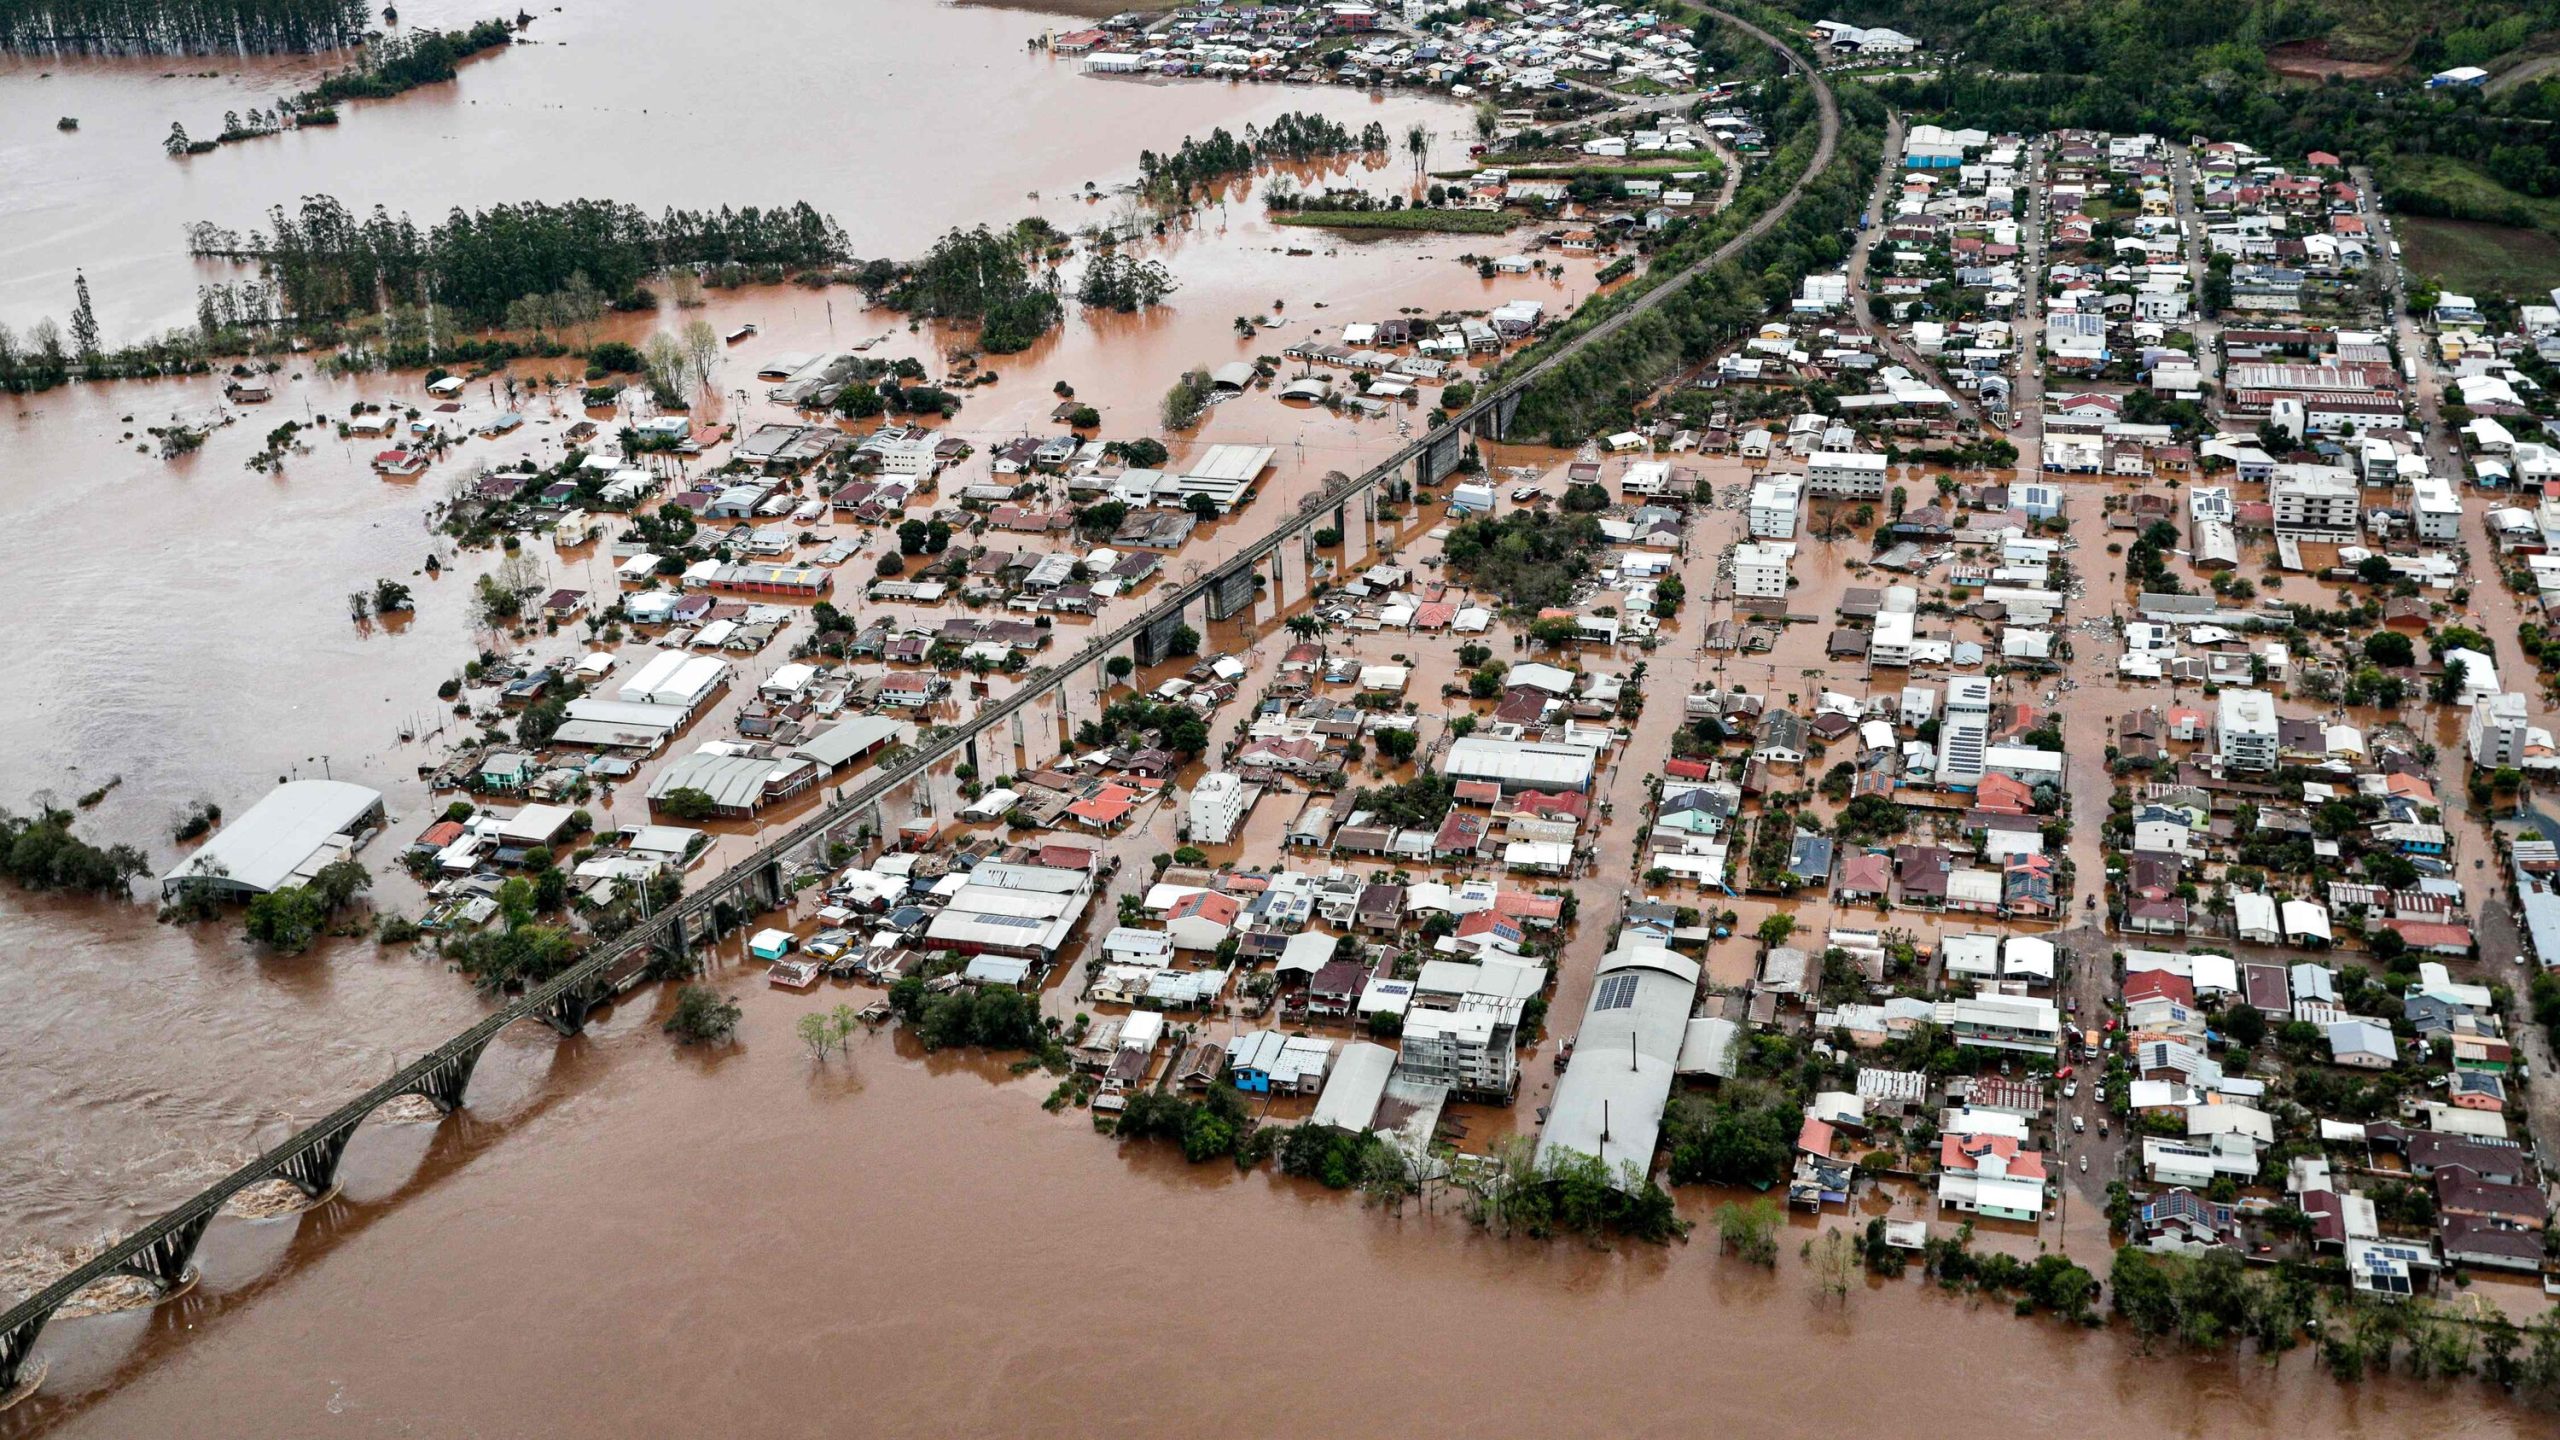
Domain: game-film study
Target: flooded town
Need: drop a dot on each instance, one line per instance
(859, 718)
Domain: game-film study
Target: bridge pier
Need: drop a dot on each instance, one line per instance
(673, 943)
(969, 753)
(168, 1261)
(769, 886)
(567, 1011)
(17, 1344)
(444, 1084)
(314, 1171)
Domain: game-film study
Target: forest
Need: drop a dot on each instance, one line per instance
(2201, 67)
(1293, 136)
(997, 278)
(324, 263)
(1608, 380)
(2132, 41)
(179, 27)
(400, 63)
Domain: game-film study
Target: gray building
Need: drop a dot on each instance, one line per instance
(1609, 1104)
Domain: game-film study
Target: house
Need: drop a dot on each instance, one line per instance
(2362, 1044)
(1202, 920)
(1380, 908)
(1990, 1174)
(2179, 1222)
(1266, 1062)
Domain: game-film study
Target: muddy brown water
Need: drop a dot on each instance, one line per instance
(625, 1241)
(889, 1242)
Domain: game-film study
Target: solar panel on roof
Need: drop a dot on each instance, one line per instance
(1617, 992)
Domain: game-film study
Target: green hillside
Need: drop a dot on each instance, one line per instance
(2132, 40)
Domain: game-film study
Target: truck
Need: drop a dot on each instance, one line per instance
(1863, 217)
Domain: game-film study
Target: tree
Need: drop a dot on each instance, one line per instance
(1200, 506)
(2244, 1025)
(688, 803)
(287, 920)
(2451, 680)
(703, 1015)
(1184, 641)
(860, 400)
(1832, 1263)
(1184, 402)
(665, 365)
(1749, 1229)
(177, 144)
(911, 537)
(702, 349)
(816, 1032)
(2391, 649)
(1118, 667)
(84, 321)
(2145, 1292)
(1397, 745)
(337, 883)
(1417, 143)
(1775, 929)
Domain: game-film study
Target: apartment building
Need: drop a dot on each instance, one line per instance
(2245, 730)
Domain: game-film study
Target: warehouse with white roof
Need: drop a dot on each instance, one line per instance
(1226, 473)
(1521, 764)
(284, 839)
(1610, 1103)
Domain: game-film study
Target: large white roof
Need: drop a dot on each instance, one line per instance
(1610, 1103)
(262, 849)
(1520, 763)
(1231, 464)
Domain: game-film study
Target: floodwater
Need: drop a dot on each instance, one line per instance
(882, 1242)
(624, 1241)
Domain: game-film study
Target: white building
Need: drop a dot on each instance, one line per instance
(1964, 737)
(2245, 729)
(2496, 732)
(301, 827)
(1845, 475)
(1610, 1106)
(1469, 1051)
(2315, 500)
(1760, 571)
(1889, 639)
(1775, 500)
(2437, 515)
(1218, 806)
(1520, 765)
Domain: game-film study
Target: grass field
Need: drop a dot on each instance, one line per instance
(2477, 259)
(1425, 221)
(2462, 191)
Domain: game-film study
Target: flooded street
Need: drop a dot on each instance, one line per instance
(619, 1237)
